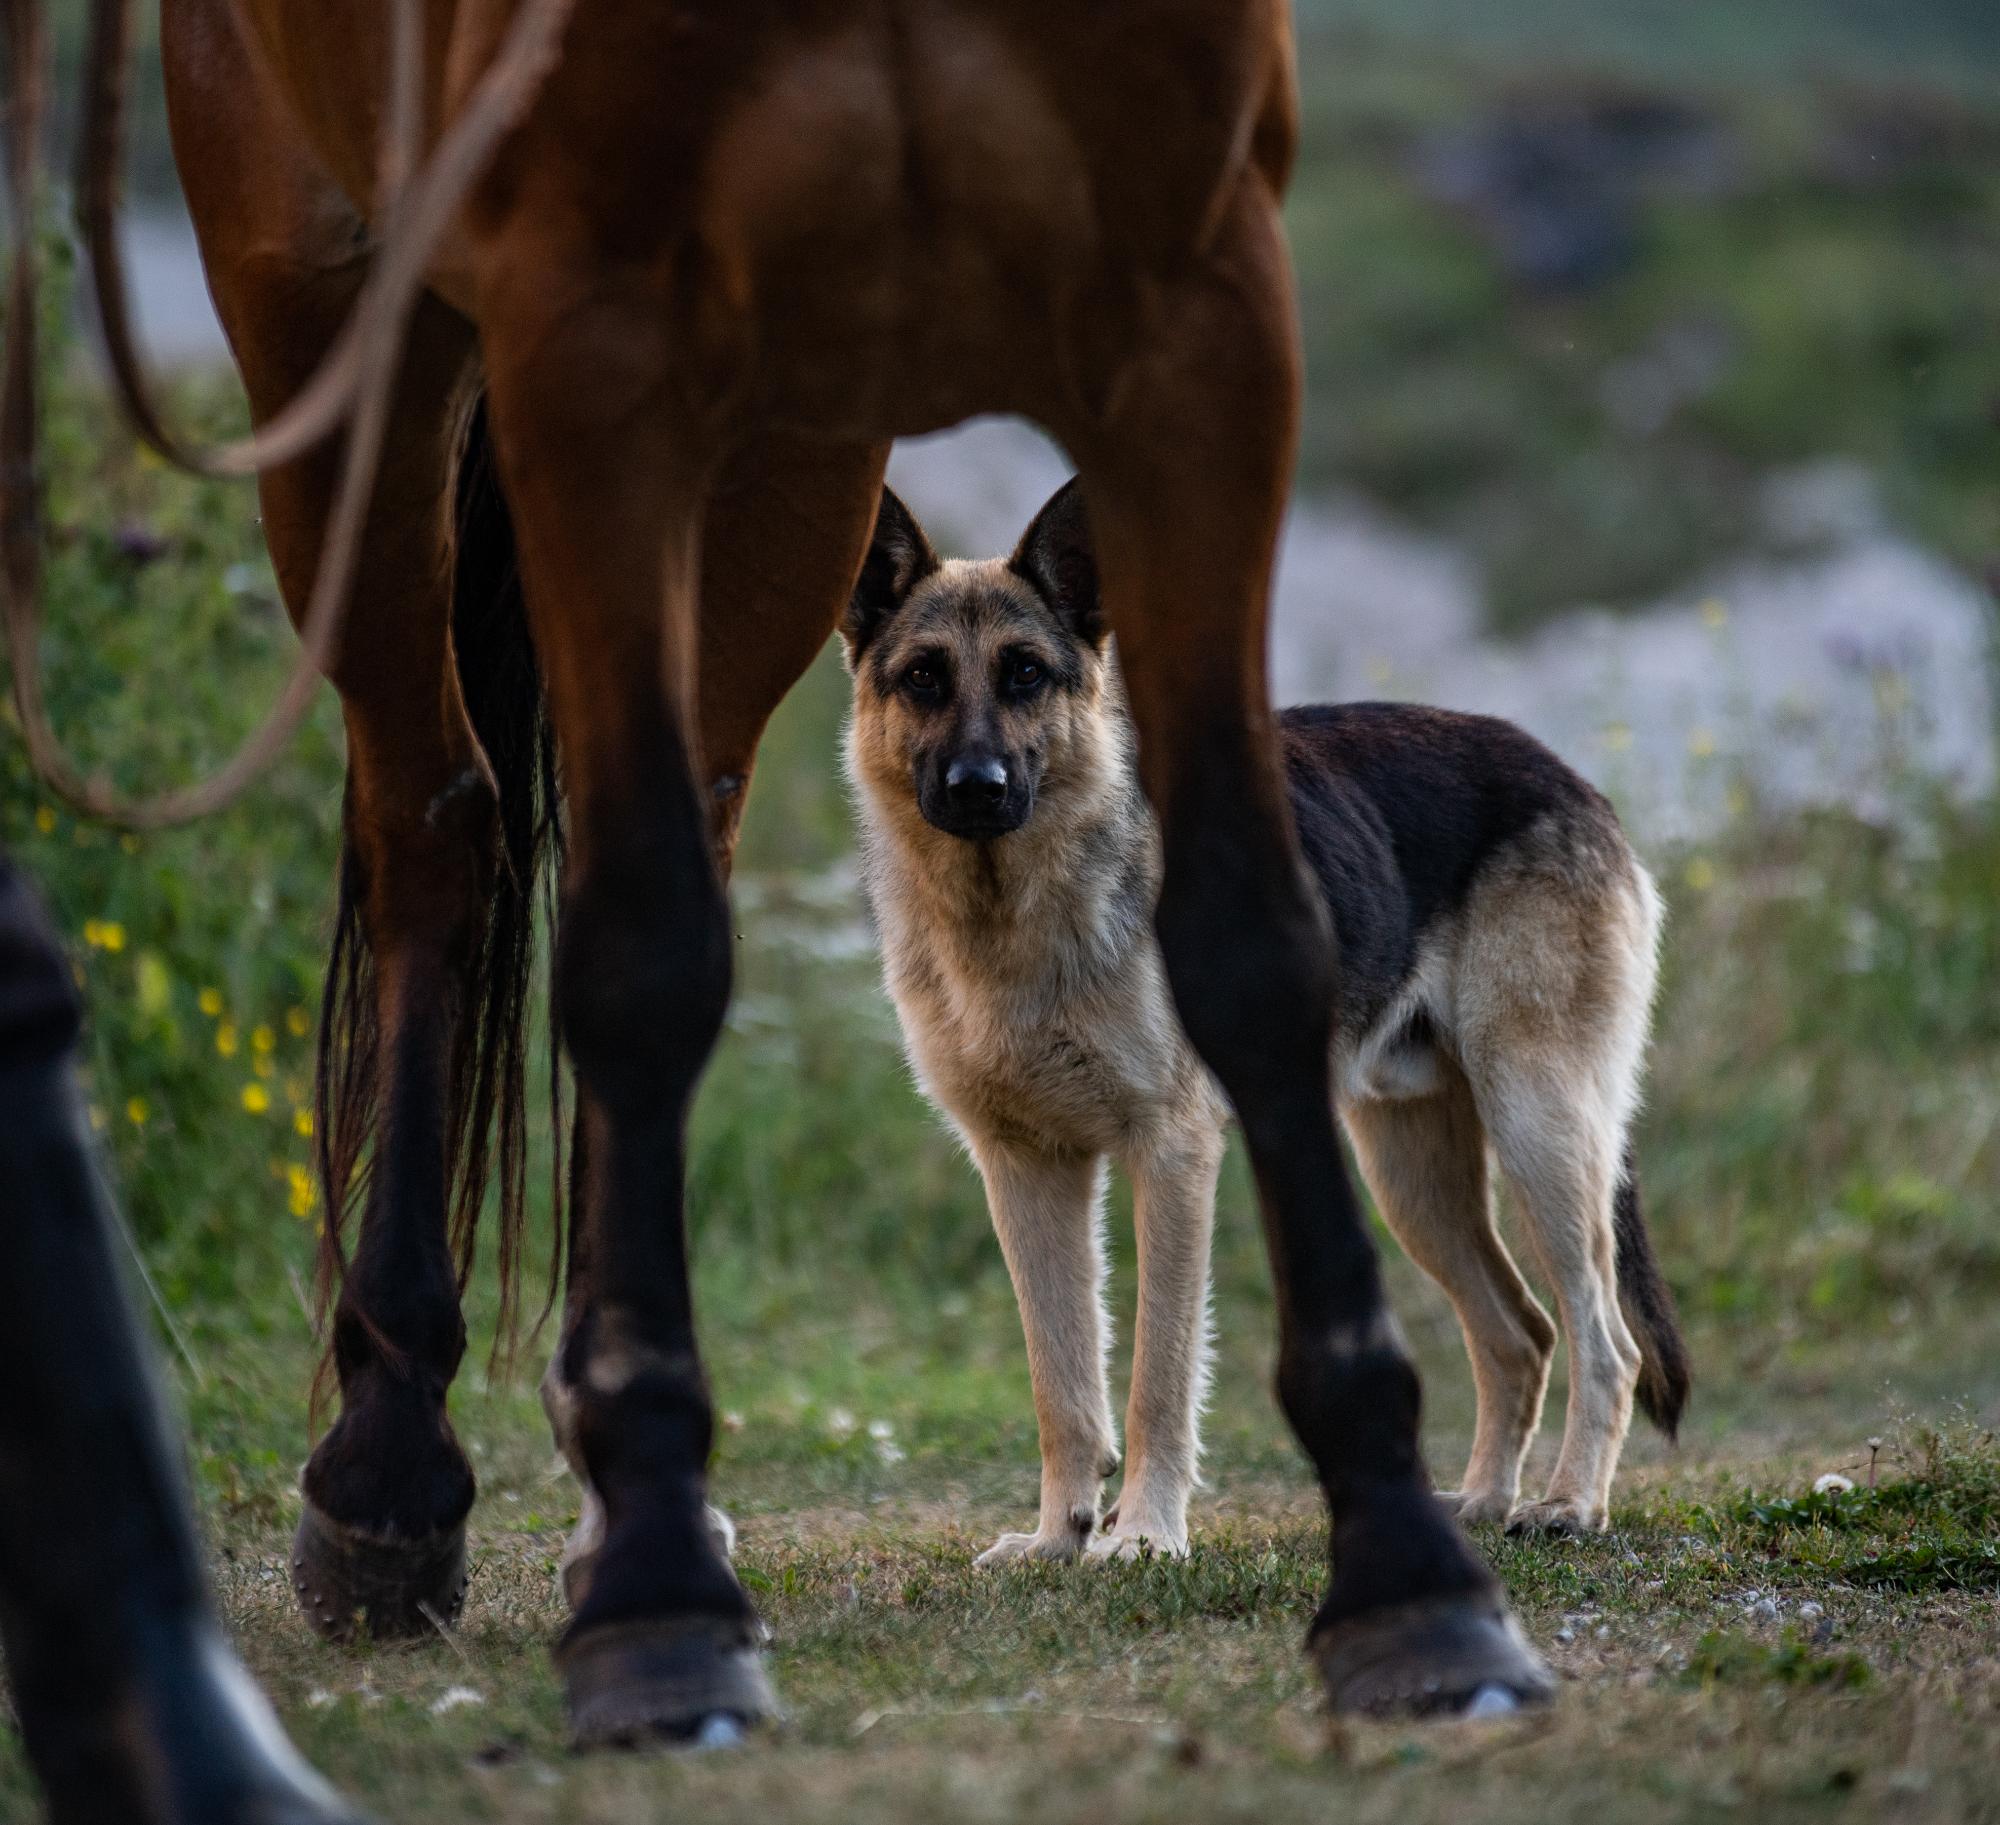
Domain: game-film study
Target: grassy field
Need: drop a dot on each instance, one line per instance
(1821, 1148)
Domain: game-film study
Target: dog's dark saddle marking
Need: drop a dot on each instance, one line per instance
(1399, 808)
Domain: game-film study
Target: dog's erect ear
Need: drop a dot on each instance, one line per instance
(1055, 555)
(899, 558)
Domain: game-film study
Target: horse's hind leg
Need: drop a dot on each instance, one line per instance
(1186, 484)
(785, 531)
(608, 500)
(388, 1489)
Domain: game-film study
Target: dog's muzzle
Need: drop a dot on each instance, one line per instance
(977, 796)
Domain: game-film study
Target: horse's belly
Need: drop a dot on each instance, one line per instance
(912, 222)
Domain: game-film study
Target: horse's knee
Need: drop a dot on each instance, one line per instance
(421, 882)
(643, 974)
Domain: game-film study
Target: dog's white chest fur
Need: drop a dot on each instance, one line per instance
(1047, 1025)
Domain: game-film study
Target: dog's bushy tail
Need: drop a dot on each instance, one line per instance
(1665, 1374)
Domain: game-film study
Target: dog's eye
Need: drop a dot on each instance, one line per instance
(922, 680)
(1024, 675)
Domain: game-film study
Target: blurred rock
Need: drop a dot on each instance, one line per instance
(1680, 363)
(1554, 180)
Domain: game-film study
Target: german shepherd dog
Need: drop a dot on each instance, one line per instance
(1497, 941)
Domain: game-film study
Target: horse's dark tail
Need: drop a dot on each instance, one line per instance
(1664, 1372)
(486, 1116)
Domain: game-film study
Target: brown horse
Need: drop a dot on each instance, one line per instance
(733, 248)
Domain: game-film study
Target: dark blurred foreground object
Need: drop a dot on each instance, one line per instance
(132, 1705)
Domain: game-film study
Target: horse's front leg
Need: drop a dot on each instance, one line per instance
(1186, 482)
(608, 492)
(784, 532)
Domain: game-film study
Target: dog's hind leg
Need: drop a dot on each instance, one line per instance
(1557, 980)
(1185, 471)
(1562, 1150)
(1047, 1212)
(1173, 1194)
(1425, 1159)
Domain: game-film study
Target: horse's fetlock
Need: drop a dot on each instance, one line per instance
(409, 1332)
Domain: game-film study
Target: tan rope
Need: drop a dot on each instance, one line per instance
(358, 375)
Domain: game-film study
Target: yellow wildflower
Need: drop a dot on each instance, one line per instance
(154, 984)
(225, 1039)
(262, 1039)
(113, 935)
(45, 818)
(210, 1002)
(93, 934)
(302, 1123)
(264, 1066)
(305, 1194)
(256, 1099)
(298, 1022)
(136, 1112)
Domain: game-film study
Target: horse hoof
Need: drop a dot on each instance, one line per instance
(1438, 1657)
(346, 1577)
(696, 1681)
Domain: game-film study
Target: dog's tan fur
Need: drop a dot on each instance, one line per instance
(1037, 1017)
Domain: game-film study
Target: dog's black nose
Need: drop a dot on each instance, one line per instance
(976, 780)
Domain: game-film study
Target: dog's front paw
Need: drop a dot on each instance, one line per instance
(1139, 1542)
(1476, 1507)
(1557, 1517)
(1009, 1549)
